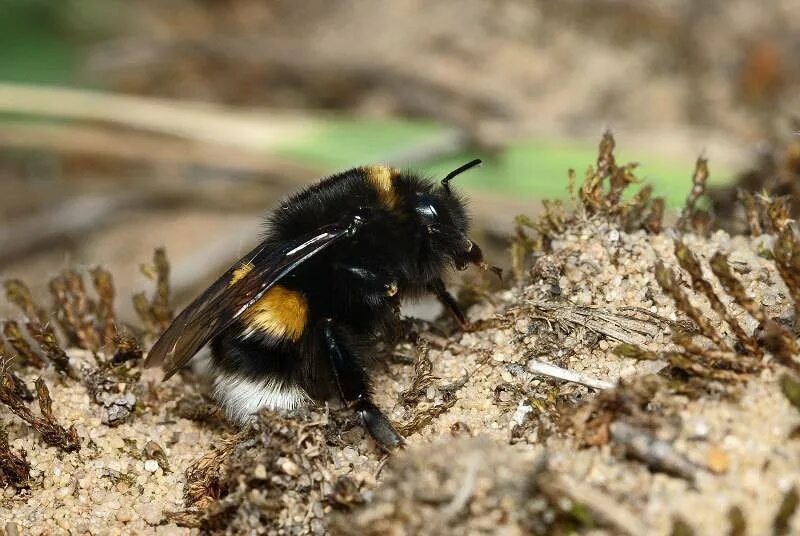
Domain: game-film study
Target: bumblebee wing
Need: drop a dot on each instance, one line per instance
(166, 343)
(232, 294)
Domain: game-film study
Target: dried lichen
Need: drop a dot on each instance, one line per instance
(423, 378)
(591, 422)
(14, 467)
(46, 338)
(787, 261)
(20, 295)
(104, 287)
(791, 389)
(73, 311)
(601, 195)
(111, 373)
(155, 312)
(693, 218)
(786, 511)
(24, 351)
(689, 262)
(269, 477)
(47, 425)
(671, 285)
(203, 484)
(657, 454)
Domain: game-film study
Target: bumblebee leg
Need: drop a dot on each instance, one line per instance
(450, 303)
(351, 379)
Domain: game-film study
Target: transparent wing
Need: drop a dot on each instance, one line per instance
(223, 302)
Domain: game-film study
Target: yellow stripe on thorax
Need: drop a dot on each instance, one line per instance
(280, 312)
(381, 178)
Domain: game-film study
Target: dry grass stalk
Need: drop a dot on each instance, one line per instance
(681, 528)
(634, 213)
(125, 348)
(91, 324)
(15, 470)
(696, 365)
(21, 388)
(733, 286)
(689, 262)
(72, 312)
(632, 351)
(782, 523)
(153, 451)
(622, 177)
(591, 421)
(87, 323)
(656, 454)
(554, 219)
(781, 343)
(671, 286)
(567, 495)
(716, 358)
(46, 338)
(752, 212)
(423, 417)
(155, 313)
(787, 261)
(104, 286)
(791, 390)
(689, 215)
(53, 433)
(84, 311)
(775, 337)
(203, 475)
(591, 192)
(521, 246)
(553, 371)
(654, 222)
(738, 523)
(422, 380)
(593, 198)
(606, 163)
(20, 295)
(15, 338)
(778, 214)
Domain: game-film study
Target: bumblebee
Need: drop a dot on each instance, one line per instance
(292, 322)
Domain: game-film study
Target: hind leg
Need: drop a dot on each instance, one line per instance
(352, 382)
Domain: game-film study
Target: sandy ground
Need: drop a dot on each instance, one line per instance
(474, 467)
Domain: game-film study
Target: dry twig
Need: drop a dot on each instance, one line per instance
(553, 371)
(657, 454)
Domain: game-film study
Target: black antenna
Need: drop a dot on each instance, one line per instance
(458, 171)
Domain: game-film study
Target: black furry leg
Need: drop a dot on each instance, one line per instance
(351, 380)
(450, 303)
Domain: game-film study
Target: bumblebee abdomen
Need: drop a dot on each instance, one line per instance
(281, 313)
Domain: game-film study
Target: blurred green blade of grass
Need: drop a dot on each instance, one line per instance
(533, 167)
(342, 143)
(33, 50)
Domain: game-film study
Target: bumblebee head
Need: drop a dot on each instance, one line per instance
(443, 216)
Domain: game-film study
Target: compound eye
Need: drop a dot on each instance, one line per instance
(427, 212)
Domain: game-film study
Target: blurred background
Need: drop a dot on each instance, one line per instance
(130, 125)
